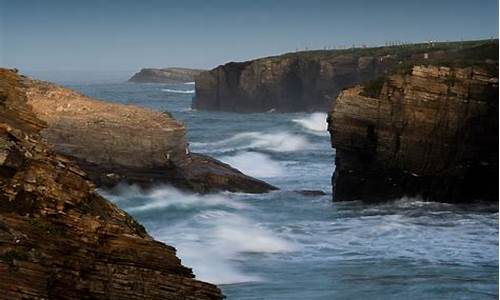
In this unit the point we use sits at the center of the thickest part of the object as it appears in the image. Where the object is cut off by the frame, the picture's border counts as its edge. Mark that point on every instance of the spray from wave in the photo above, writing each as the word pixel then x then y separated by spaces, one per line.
pixel 210 238
pixel 178 91
pixel 255 164
pixel 277 142
pixel 314 123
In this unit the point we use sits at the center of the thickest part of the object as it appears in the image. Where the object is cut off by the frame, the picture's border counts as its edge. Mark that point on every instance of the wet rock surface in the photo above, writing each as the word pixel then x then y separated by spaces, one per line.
pixel 58 238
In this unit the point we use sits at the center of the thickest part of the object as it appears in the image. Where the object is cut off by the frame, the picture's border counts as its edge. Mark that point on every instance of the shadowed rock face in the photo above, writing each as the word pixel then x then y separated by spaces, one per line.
pixel 431 133
pixel 284 84
pixel 123 143
pixel 59 238
pixel 308 81
pixel 167 75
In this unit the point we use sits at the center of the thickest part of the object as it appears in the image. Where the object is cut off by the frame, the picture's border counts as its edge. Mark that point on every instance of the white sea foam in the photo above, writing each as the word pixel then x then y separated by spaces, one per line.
pixel 212 243
pixel 315 123
pixel 189 83
pixel 277 142
pixel 178 91
pixel 255 164
pixel 212 238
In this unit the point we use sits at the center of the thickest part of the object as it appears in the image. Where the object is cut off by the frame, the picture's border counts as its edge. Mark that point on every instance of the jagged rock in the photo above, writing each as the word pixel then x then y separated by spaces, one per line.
pixel 117 143
pixel 58 238
pixel 306 81
pixel 166 75
pixel 432 133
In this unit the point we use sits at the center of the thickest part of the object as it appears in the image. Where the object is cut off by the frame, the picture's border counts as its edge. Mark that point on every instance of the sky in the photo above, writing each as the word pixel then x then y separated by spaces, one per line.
pixel 99 35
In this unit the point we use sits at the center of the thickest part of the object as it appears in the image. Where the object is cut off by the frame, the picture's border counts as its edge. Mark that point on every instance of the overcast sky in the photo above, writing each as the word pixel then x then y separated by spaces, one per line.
pixel 128 35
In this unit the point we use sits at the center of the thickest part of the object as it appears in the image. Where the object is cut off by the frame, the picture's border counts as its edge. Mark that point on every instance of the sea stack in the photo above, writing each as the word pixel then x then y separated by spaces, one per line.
pixel 431 132
pixel 58 238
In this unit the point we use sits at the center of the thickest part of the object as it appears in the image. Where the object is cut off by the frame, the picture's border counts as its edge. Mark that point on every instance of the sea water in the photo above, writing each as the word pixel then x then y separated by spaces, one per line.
pixel 284 245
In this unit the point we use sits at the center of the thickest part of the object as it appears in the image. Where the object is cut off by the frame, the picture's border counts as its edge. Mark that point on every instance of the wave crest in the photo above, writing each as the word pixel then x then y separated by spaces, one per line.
pixel 178 91
pixel 277 142
pixel 315 123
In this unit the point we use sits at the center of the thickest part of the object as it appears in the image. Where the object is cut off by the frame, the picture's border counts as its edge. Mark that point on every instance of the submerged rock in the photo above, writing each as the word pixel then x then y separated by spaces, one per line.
pixel 431 132
pixel 117 143
pixel 311 193
pixel 59 238
pixel 166 75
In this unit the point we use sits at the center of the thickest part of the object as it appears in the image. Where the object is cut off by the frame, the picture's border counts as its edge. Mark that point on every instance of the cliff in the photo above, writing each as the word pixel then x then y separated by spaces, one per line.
pixel 306 81
pixel 166 75
pixel 58 238
pixel 429 132
pixel 122 143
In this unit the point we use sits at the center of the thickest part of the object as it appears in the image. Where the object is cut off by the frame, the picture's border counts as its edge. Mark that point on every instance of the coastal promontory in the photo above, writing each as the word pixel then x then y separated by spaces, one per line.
pixel 428 131
pixel 116 143
pixel 165 75
pixel 59 239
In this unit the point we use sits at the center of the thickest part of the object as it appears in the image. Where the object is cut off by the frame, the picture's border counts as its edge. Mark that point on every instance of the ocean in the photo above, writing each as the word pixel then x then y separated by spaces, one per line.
pixel 284 245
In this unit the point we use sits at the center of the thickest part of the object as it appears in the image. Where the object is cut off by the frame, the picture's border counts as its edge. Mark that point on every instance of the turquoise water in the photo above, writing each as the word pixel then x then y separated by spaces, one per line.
pixel 283 245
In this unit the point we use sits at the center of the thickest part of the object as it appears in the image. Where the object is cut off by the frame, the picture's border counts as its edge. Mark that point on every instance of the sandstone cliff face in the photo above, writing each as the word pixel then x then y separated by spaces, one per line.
pixel 167 75
pixel 285 84
pixel 309 81
pixel 432 133
pixel 122 143
pixel 58 238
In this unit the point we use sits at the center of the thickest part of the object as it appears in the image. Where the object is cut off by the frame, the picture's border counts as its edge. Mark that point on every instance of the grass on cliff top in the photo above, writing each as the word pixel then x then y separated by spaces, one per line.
pixel 401 50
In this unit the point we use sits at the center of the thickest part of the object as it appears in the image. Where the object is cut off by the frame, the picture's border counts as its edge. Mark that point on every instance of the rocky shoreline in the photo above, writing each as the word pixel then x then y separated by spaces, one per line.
pixel 117 143
pixel 431 133
pixel 58 237
pixel 309 81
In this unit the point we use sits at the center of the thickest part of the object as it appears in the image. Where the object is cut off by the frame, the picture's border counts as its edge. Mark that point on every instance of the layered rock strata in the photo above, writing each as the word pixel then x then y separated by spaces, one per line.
pixel 166 75
pixel 308 81
pixel 431 133
pixel 58 238
pixel 117 143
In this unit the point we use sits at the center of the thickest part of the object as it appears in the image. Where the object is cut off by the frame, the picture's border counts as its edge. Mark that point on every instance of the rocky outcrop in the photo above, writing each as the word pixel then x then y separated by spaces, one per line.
pixel 166 75
pixel 431 133
pixel 306 81
pixel 122 143
pixel 58 238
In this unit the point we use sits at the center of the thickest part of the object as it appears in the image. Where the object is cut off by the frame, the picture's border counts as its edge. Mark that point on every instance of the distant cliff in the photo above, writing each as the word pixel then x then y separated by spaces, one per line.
pixel 123 143
pixel 428 131
pixel 304 81
pixel 58 238
pixel 166 75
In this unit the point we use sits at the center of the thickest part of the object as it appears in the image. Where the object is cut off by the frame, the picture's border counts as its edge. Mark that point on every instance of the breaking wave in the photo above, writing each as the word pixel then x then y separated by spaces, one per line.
pixel 277 142
pixel 178 91
pixel 314 123
pixel 189 83
pixel 210 232
pixel 255 164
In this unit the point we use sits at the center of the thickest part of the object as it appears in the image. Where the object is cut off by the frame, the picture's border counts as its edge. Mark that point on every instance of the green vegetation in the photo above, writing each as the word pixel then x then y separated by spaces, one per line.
pixel 373 88
pixel 10 256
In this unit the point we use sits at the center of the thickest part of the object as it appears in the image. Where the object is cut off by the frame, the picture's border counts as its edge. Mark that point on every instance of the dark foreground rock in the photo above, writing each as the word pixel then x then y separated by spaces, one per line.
pixel 117 143
pixel 431 132
pixel 58 238
pixel 166 75
pixel 306 81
